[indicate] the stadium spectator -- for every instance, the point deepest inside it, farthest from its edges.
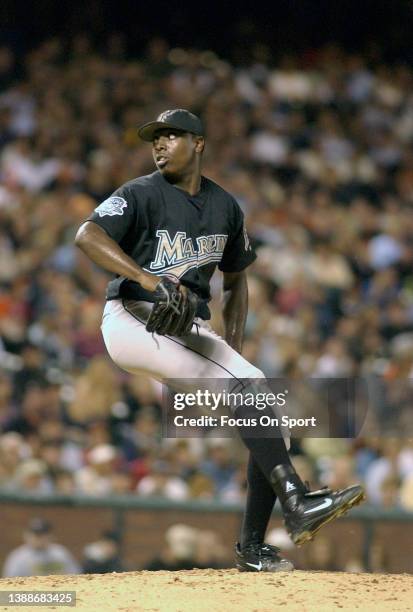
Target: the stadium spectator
(179, 552)
(161, 481)
(209, 551)
(8, 408)
(142, 436)
(13, 451)
(95, 393)
(64, 483)
(39, 555)
(96, 478)
(219, 465)
(388, 466)
(31, 477)
(406, 494)
(102, 556)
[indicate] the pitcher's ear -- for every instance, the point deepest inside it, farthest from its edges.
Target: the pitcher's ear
(200, 144)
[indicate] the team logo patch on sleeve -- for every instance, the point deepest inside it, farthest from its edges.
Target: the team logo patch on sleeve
(112, 206)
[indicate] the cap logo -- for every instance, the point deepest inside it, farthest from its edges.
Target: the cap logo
(177, 118)
(164, 116)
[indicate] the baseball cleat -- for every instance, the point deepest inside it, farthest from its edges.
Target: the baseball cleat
(309, 514)
(261, 558)
(305, 512)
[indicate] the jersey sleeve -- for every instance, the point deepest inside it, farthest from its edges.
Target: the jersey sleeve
(238, 253)
(117, 213)
(17, 564)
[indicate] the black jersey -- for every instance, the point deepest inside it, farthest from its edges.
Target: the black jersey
(165, 230)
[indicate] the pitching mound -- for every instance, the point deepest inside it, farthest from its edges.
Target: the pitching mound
(225, 590)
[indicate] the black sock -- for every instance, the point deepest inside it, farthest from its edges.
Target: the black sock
(259, 505)
(266, 451)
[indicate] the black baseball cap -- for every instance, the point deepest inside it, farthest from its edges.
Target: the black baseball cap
(39, 525)
(177, 119)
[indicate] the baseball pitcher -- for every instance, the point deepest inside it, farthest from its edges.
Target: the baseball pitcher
(162, 236)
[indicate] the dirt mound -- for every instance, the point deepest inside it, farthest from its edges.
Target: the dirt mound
(225, 590)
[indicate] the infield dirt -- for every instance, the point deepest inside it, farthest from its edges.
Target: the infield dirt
(225, 590)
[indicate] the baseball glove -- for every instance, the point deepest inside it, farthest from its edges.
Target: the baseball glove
(174, 309)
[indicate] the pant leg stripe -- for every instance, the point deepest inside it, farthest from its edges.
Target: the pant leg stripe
(188, 348)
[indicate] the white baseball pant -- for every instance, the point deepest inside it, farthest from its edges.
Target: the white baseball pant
(202, 354)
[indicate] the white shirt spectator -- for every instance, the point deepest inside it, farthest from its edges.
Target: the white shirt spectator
(89, 482)
(26, 172)
(269, 148)
(23, 110)
(384, 251)
(96, 478)
(28, 561)
(375, 476)
(171, 487)
(331, 270)
(290, 85)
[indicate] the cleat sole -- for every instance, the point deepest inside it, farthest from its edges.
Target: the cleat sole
(307, 536)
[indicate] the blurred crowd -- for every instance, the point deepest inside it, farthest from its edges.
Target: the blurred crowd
(40, 554)
(184, 547)
(318, 151)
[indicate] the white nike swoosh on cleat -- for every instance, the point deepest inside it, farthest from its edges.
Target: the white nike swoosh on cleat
(258, 566)
(326, 504)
